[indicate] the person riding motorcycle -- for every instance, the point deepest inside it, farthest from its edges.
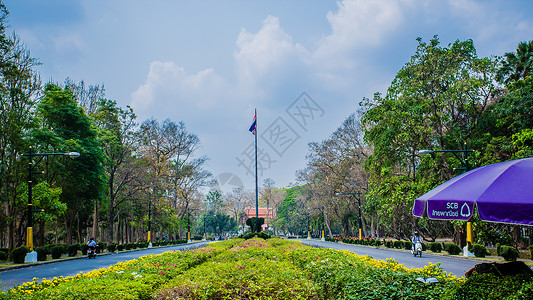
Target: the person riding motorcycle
(416, 239)
(91, 247)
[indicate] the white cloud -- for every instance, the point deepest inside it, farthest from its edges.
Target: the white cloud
(169, 84)
(359, 24)
(69, 43)
(267, 52)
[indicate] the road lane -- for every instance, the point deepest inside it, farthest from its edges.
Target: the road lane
(12, 278)
(454, 265)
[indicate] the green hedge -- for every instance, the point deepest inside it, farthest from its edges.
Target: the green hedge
(478, 250)
(435, 247)
(508, 253)
(42, 252)
(19, 254)
(452, 248)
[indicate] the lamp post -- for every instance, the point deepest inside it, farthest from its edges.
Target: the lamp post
(359, 202)
(32, 256)
(466, 168)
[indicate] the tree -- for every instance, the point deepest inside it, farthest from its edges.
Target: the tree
(516, 65)
(19, 88)
(65, 127)
(116, 133)
(435, 102)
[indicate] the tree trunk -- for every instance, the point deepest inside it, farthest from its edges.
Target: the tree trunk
(95, 221)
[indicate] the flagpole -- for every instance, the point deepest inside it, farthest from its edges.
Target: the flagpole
(256, 193)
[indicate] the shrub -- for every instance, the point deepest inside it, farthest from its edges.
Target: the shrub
(508, 253)
(72, 250)
(120, 247)
(398, 244)
(3, 255)
(483, 286)
(56, 251)
(452, 248)
(112, 247)
(531, 252)
(389, 244)
(407, 245)
(42, 252)
(101, 247)
(19, 254)
(435, 247)
(83, 248)
(479, 250)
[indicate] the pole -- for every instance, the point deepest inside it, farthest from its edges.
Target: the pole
(256, 191)
(150, 222)
(29, 230)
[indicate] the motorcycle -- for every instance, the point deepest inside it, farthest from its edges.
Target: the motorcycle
(416, 249)
(91, 252)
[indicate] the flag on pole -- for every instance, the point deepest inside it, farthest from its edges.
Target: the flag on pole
(253, 128)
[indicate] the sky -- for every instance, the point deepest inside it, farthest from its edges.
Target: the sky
(304, 65)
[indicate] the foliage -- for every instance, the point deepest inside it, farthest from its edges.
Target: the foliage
(452, 249)
(435, 247)
(19, 254)
(478, 250)
(492, 287)
(508, 253)
(42, 252)
(72, 250)
(57, 251)
(255, 223)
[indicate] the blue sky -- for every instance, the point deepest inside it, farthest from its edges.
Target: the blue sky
(304, 65)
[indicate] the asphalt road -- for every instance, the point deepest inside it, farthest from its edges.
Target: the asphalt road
(454, 265)
(11, 278)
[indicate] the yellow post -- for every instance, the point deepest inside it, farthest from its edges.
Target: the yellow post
(188, 236)
(29, 238)
(360, 233)
(322, 233)
(308, 234)
(469, 233)
(149, 237)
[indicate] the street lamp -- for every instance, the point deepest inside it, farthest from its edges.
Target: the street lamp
(466, 168)
(32, 256)
(359, 202)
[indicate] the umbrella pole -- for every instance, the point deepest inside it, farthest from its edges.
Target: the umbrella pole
(469, 233)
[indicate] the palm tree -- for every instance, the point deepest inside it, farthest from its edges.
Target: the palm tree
(516, 66)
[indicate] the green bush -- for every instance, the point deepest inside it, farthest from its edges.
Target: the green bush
(120, 247)
(479, 250)
(112, 247)
(407, 245)
(101, 247)
(398, 244)
(19, 254)
(531, 252)
(42, 252)
(435, 247)
(72, 250)
(56, 251)
(452, 248)
(389, 244)
(4, 253)
(508, 253)
(492, 287)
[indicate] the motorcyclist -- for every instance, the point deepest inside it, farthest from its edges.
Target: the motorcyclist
(91, 245)
(416, 238)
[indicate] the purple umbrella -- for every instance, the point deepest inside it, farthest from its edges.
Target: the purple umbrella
(501, 192)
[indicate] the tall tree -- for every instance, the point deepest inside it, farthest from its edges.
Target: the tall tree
(64, 128)
(518, 65)
(19, 88)
(435, 102)
(116, 127)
